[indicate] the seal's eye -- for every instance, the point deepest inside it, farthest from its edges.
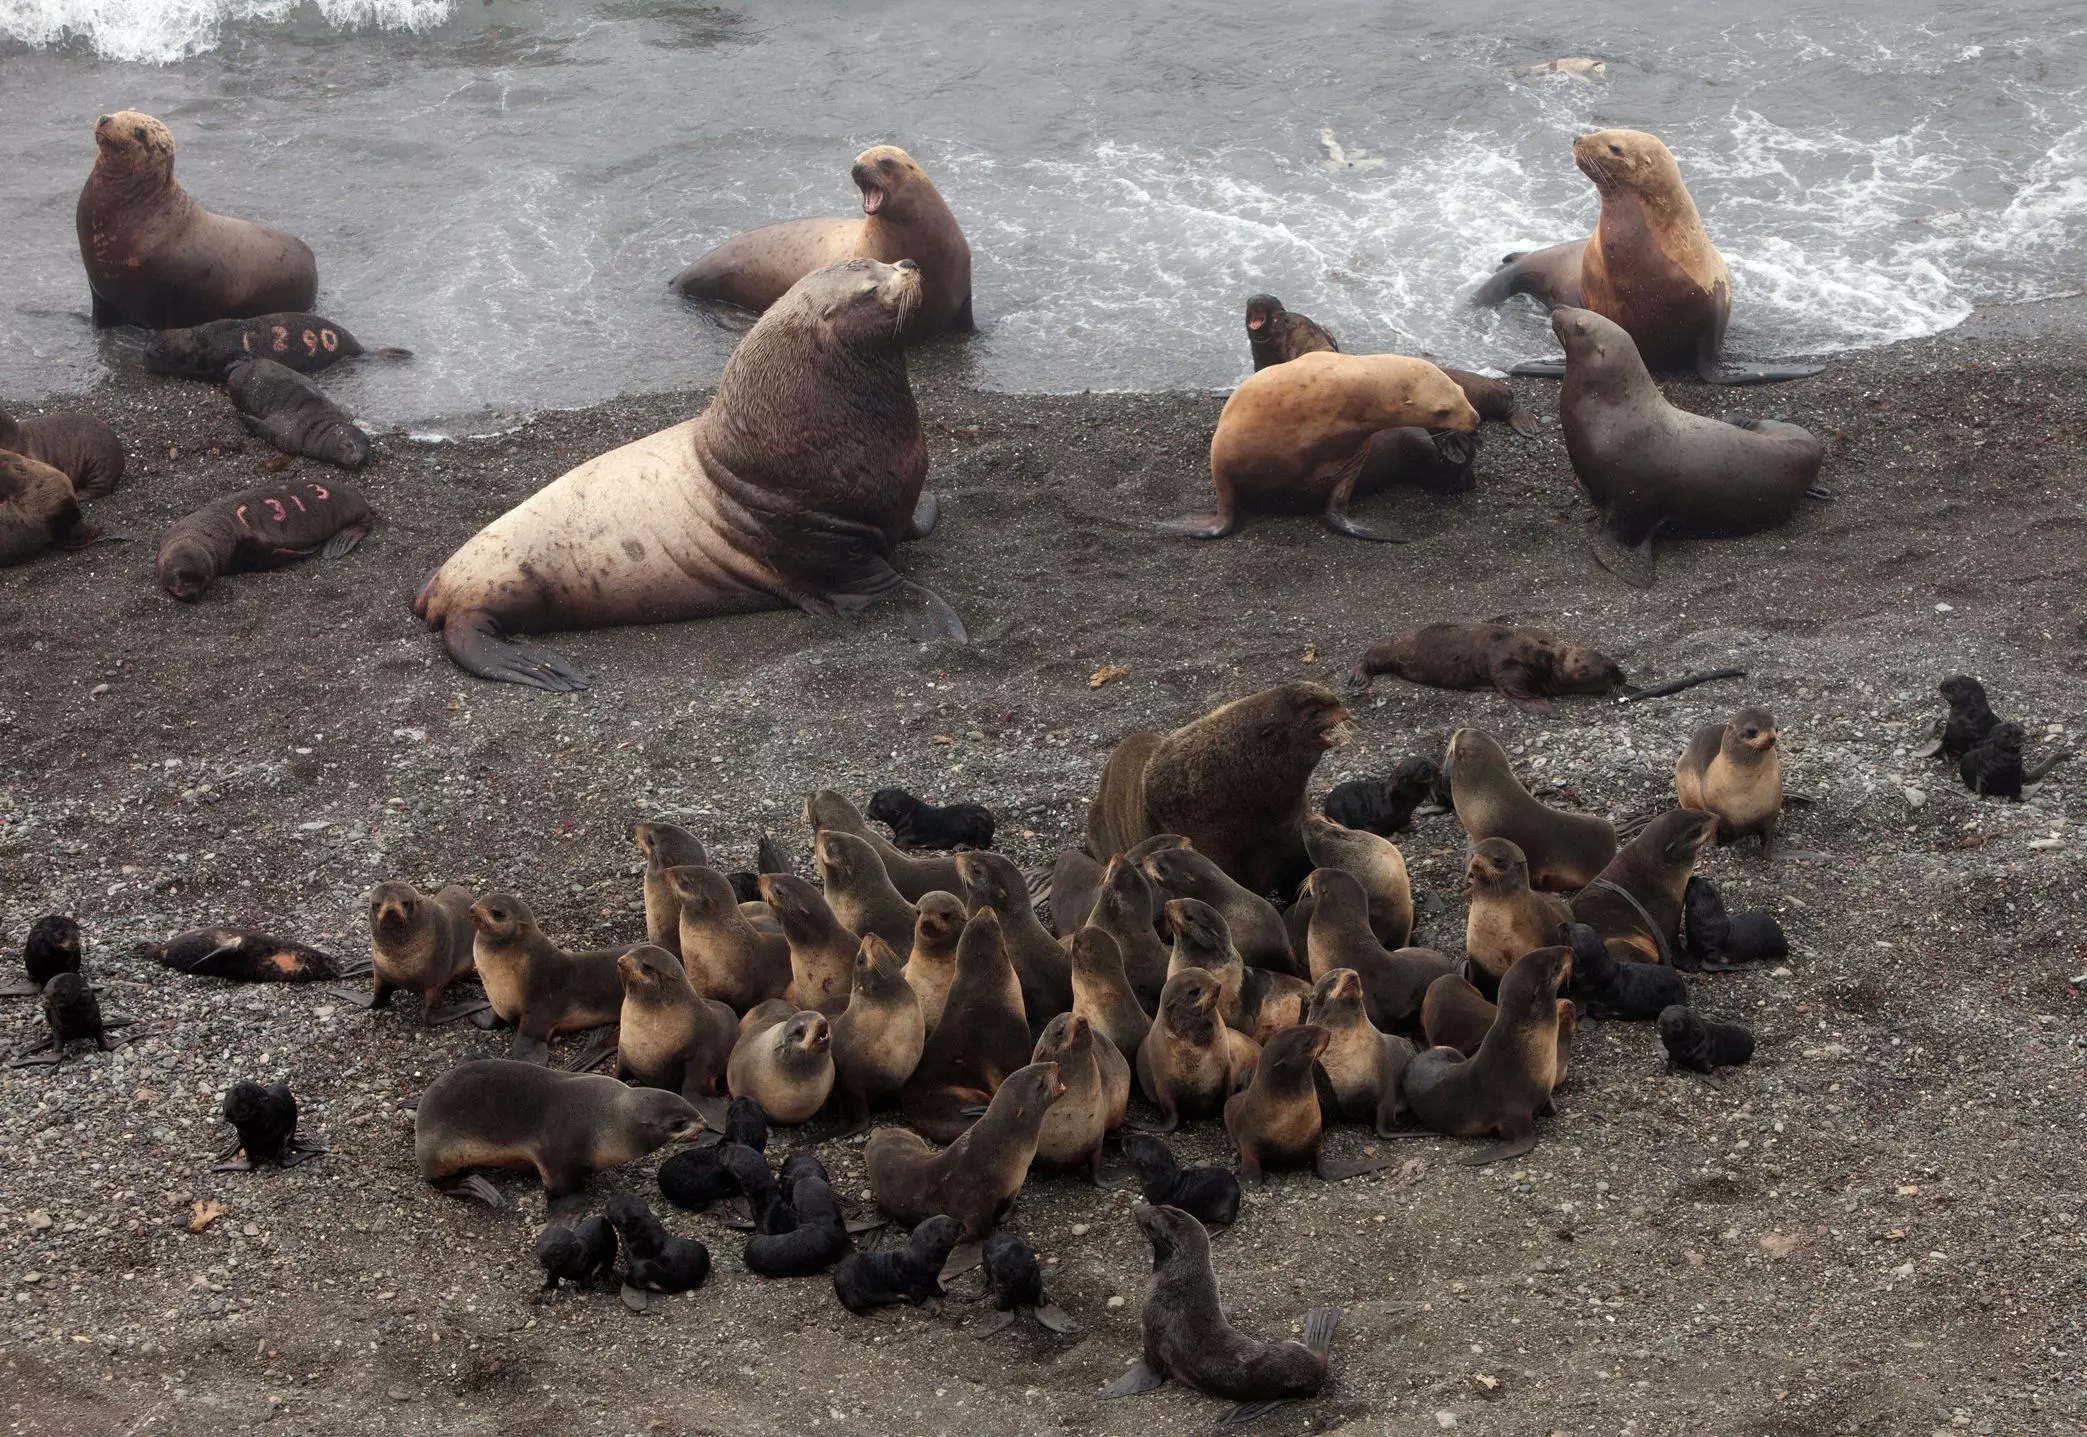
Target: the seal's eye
(1615, 149)
(887, 164)
(137, 131)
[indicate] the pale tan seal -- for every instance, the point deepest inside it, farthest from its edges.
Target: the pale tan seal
(859, 892)
(932, 965)
(1564, 850)
(728, 957)
(878, 1038)
(783, 1060)
(912, 875)
(1735, 771)
(665, 846)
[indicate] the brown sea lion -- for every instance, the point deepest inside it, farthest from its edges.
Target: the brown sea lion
(536, 986)
(911, 875)
(1564, 850)
(1254, 1001)
(976, 1178)
(783, 1060)
(727, 957)
(1649, 467)
(669, 1036)
(1102, 993)
(260, 529)
(903, 218)
(1233, 783)
(1296, 436)
(1126, 909)
(294, 414)
(1529, 666)
(992, 881)
(79, 446)
(983, 1035)
(1500, 1090)
(822, 948)
(1364, 1066)
(1275, 1122)
(157, 259)
(878, 1038)
(1456, 1015)
(1376, 864)
(306, 343)
(1255, 927)
(1508, 918)
(38, 510)
(1340, 936)
(1096, 1080)
(932, 965)
(1637, 899)
(1735, 771)
(860, 893)
(1648, 267)
(665, 846)
(1189, 1060)
(419, 943)
(564, 1127)
(793, 487)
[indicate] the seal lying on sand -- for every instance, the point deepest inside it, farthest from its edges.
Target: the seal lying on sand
(79, 446)
(793, 487)
(257, 529)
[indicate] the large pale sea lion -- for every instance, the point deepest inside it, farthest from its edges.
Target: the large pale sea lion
(793, 487)
(903, 217)
(1648, 266)
(158, 259)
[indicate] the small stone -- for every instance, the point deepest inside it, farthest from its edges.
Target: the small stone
(1915, 798)
(399, 1394)
(1081, 1229)
(1945, 608)
(1445, 1420)
(1117, 1300)
(2046, 843)
(97, 691)
(39, 1220)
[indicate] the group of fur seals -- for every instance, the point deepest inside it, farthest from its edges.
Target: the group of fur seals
(260, 529)
(1529, 666)
(1986, 750)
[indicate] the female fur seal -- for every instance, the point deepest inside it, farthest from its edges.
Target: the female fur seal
(668, 1035)
(1365, 1066)
(665, 846)
(912, 876)
(1096, 1082)
(1648, 466)
(79, 446)
(157, 259)
(1296, 436)
(976, 1178)
(1340, 936)
(793, 487)
(421, 944)
(1508, 918)
(1733, 770)
(260, 529)
(932, 965)
(306, 343)
(1190, 1060)
(536, 985)
(859, 891)
(983, 1035)
(783, 1060)
(1276, 1122)
(1502, 1089)
(1125, 909)
(1637, 899)
(1528, 666)
(878, 1037)
(1648, 266)
(1103, 995)
(1564, 850)
(1045, 968)
(726, 956)
(1376, 864)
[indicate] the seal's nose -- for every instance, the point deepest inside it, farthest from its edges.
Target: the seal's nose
(907, 264)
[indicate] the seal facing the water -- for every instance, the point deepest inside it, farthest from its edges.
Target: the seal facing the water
(793, 487)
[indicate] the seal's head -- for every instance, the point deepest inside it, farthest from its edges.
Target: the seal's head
(892, 185)
(1497, 867)
(1171, 1231)
(2007, 738)
(879, 975)
(131, 142)
(941, 920)
(1201, 936)
(1582, 670)
(1962, 691)
(705, 894)
(1531, 986)
(187, 569)
(1677, 836)
(393, 907)
(1096, 955)
(650, 973)
(807, 1034)
(1337, 999)
(1068, 1034)
(859, 301)
(1290, 1053)
(660, 1117)
(1754, 728)
(1188, 1005)
(1262, 312)
(501, 917)
(1628, 160)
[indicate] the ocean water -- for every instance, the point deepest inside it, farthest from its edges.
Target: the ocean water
(506, 188)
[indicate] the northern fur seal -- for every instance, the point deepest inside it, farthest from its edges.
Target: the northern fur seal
(668, 1035)
(1735, 771)
(1377, 865)
(1501, 1089)
(53, 946)
(420, 943)
(665, 846)
(1564, 850)
(1384, 807)
(1393, 983)
(859, 891)
(1702, 1044)
(1045, 968)
(1456, 1015)
(306, 343)
(1647, 466)
(1528, 666)
(38, 510)
(265, 1118)
(1209, 1194)
(1102, 994)
(157, 259)
(1648, 267)
(911, 875)
(536, 985)
(244, 955)
(1256, 929)
(1364, 1065)
(1714, 941)
(1614, 986)
(1231, 782)
(1637, 898)
(1188, 1340)
(654, 1260)
(583, 1255)
(1296, 436)
(260, 529)
(726, 956)
(71, 1014)
(868, 1280)
(904, 218)
(917, 824)
(1190, 1060)
(983, 1035)
(1508, 918)
(1993, 768)
(793, 487)
(1970, 719)
(1096, 1082)
(932, 965)
(1276, 1122)
(783, 1060)
(79, 446)
(1252, 1001)
(822, 949)
(1126, 910)
(976, 1178)
(294, 414)
(878, 1038)
(494, 1113)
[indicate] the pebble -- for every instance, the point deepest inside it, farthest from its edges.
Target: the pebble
(1117, 1300)
(1081, 1229)
(1445, 1420)
(1915, 798)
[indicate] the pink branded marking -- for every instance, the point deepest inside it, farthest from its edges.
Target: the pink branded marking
(280, 512)
(282, 338)
(298, 502)
(319, 490)
(311, 342)
(240, 515)
(331, 340)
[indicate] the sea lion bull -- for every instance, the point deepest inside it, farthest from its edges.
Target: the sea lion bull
(793, 487)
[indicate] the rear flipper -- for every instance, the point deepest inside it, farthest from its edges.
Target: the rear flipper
(962, 1258)
(21, 988)
(472, 1187)
(528, 1048)
(925, 513)
(1053, 1318)
(1204, 524)
(1632, 563)
(1523, 422)
(713, 1110)
(1139, 1380)
(1337, 516)
(1247, 1412)
(1518, 1143)
(1539, 369)
(476, 646)
(1335, 1170)
(486, 1020)
(344, 542)
(997, 1324)
(389, 351)
(1711, 372)
(1319, 1324)
(435, 1016)
(600, 1047)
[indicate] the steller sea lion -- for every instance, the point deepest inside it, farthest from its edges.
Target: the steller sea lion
(992, 881)
(1508, 918)
(983, 1035)
(1364, 1066)
(783, 1060)
(822, 948)
(1096, 1080)
(977, 1177)
(294, 414)
(1377, 865)
(668, 1035)
(1528, 666)
(1340, 936)
(1647, 466)
(904, 218)
(421, 944)
(537, 986)
(1296, 436)
(1189, 1061)
(79, 446)
(725, 955)
(793, 487)
(306, 343)
(261, 529)
(1649, 267)
(665, 846)
(859, 892)
(157, 259)
(1637, 899)
(932, 964)
(1501, 1088)
(1735, 771)
(911, 875)
(1564, 850)
(38, 510)
(878, 1038)
(1126, 909)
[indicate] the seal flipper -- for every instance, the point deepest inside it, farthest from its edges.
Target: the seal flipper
(929, 616)
(1340, 521)
(528, 1048)
(1539, 369)
(472, 1187)
(344, 542)
(600, 1047)
(1738, 376)
(485, 1019)
(925, 514)
(1520, 1141)
(1139, 1380)
(1053, 1318)
(22, 988)
(476, 646)
(435, 1017)
(1204, 524)
(962, 318)
(1339, 1170)
(1523, 422)
(1632, 563)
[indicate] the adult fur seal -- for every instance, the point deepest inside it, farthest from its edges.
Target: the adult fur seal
(1529, 666)
(911, 875)
(992, 881)
(1231, 782)
(822, 949)
(974, 1179)
(38, 510)
(260, 529)
(1508, 918)
(157, 259)
(1377, 865)
(668, 1035)
(932, 965)
(1188, 1063)
(1296, 436)
(1456, 1015)
(1647, 466)
(1188, 1340)
(537, 986)
(1096, 1082)
(294, 414)
(859, 891)
(1126, 910)
(878, 1038)
(983, 1035)
(564, 1127)
(1253, 1001)
(783, 1060)
(1564, 850)
(793, 487)
(1501, 1089)
(1255, 927)
(419, 943)
(306, 343)
(1340, 936)
(726, 956)
(1637, 898)
(1364, 1065)
(79, 446)
(903, 218)
(1276, 1122)
(1735, 771)
(1103, 995)
(1648, 267)
(665, 846)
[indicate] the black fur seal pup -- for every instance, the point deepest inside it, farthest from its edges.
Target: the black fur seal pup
(1714, 941)
(583, 1256)
(696, 1177)
(1994, 769)
(260, 529)
(665, 846)
(867, 1280)
(1209, 1194)
(294, 414)
(52, 947)
(1702, 1044)
(564, 1127)
(1611, 988)
(1014, 1280)
(266, 1121)
(420, 944)
(73, 1015)
(244, 955)
(916, 824)
(976, 1178)
(653, 1259)
(306, 343)
(1384, 807)
(803, 1234)
(535, 985)
(1188, 1340)
(1501, 1089)
(1969, 720)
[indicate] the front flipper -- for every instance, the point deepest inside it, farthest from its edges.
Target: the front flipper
(528, 1048)
(435, 1017)
(1737, 376)
(473, 1188)
(1053, 1318)
(1247, 1412)
(1632, 563)
(344, 542)
(713, 1110)
(22, 988)
(476, 646)
(1539, 369)
(1820, 492)
(1523, 422)
(925, 514)
(1136, 1382)
(962, 1258)
(925, 614)
(1205, 524)
(1518, 1143)
(300, 1151)
(996, 1324)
